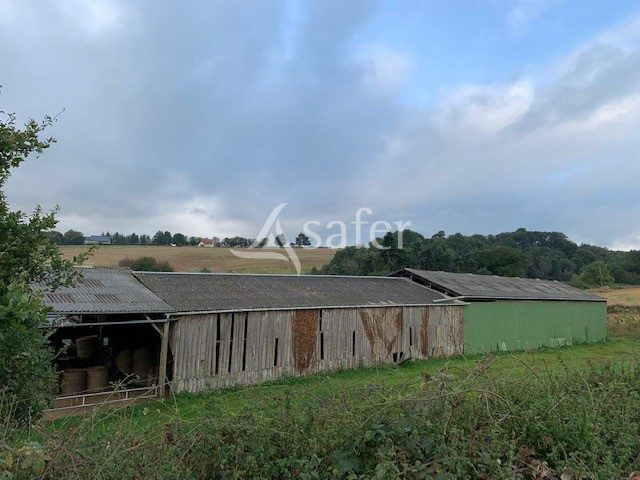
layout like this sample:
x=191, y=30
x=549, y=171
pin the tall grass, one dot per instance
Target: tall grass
x=565, y=422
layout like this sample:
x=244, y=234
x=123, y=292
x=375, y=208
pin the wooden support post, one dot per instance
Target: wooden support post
x=164, y=351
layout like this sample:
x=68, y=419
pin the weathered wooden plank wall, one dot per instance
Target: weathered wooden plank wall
x=219, y=350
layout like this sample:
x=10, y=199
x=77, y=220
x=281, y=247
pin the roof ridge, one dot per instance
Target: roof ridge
x=240, y=274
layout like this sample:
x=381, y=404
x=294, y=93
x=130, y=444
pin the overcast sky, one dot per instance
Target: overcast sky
x=466, y=116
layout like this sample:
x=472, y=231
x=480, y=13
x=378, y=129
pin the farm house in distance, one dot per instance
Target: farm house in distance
x=510, y=313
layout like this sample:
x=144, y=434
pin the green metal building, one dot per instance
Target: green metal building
x=509, y=313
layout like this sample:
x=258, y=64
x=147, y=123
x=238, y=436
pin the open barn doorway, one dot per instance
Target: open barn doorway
x=105, y=361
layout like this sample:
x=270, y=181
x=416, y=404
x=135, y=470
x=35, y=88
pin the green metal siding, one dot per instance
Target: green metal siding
x=519, y=325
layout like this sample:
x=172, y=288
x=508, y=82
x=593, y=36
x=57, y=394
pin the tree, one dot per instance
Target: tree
x=27, y=256
x=145, y=239
x=596, y=274
x=158, y=238
x=179, y=239
x=55, y=237
x=262, y=243
x=302, y=240
x=239, y=242
x=146, y=264
x=132, y=239
x=281, y=240
x=118, y=239
x=73, y=237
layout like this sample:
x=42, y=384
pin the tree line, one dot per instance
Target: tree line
x=74, y=237
x=522, y=253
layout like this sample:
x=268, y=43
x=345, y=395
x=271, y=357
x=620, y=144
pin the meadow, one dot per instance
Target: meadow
x=193, y=259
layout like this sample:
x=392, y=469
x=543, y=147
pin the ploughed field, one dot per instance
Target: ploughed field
x=193, y=259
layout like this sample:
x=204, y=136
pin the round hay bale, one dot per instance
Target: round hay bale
x=141, y=362
x=97, y=378
x=123, y=361
x=88, y=346
x=74, y=381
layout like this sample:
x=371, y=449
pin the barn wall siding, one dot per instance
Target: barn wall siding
x=512, y=325
x=215, y=350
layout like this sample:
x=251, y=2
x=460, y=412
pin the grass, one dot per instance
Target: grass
x=325, y=408
x=193, y=259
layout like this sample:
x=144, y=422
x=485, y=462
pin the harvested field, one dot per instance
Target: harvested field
x=623, y=310
x=193, y=259
x=626, y=296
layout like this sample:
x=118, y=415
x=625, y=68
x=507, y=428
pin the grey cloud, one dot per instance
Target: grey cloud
x=205, y=118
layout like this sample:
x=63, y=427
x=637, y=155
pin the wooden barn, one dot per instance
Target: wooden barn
x=121, y=335
x=233, y=329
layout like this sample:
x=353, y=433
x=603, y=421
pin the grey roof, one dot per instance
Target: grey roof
x=201, y=292
x=97, y=239
x=485, y=287
x=104, y=290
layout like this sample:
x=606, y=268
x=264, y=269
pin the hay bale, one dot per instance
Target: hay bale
x=74, y=381
x=97, y=378
x=88, y=346
x=123, y=361
x=141, y=364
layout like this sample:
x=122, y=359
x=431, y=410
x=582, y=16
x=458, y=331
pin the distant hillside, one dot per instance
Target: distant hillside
x=549, y=255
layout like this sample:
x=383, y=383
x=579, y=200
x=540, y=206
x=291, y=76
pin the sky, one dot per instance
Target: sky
x=202, y=117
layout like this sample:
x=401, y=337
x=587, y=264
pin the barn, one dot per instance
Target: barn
x=122, y=335
x=111, y=337
x=509, y=313
x=237, y=329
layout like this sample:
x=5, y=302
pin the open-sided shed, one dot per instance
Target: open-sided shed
x=510, y=313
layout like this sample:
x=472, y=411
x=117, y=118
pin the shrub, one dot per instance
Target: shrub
x=146, y=264
x=26, y=374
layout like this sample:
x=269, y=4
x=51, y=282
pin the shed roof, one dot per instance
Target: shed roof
x=488, y=287
x=104, y=290
x=201, y=292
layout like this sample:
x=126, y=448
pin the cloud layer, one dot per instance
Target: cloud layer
x=204, y=119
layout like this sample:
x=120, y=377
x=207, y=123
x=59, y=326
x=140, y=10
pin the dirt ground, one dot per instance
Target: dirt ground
x=192, y=259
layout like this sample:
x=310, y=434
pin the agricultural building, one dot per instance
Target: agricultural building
x=232, y=329
x=508, y=313
x=122, y=335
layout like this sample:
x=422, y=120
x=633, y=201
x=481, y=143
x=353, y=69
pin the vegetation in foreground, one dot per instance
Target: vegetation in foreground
x=550, y=412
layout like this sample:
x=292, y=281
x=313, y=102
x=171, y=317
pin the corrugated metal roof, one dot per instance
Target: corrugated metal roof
x=200, y=292
x=104, y=290
x=481, y=287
